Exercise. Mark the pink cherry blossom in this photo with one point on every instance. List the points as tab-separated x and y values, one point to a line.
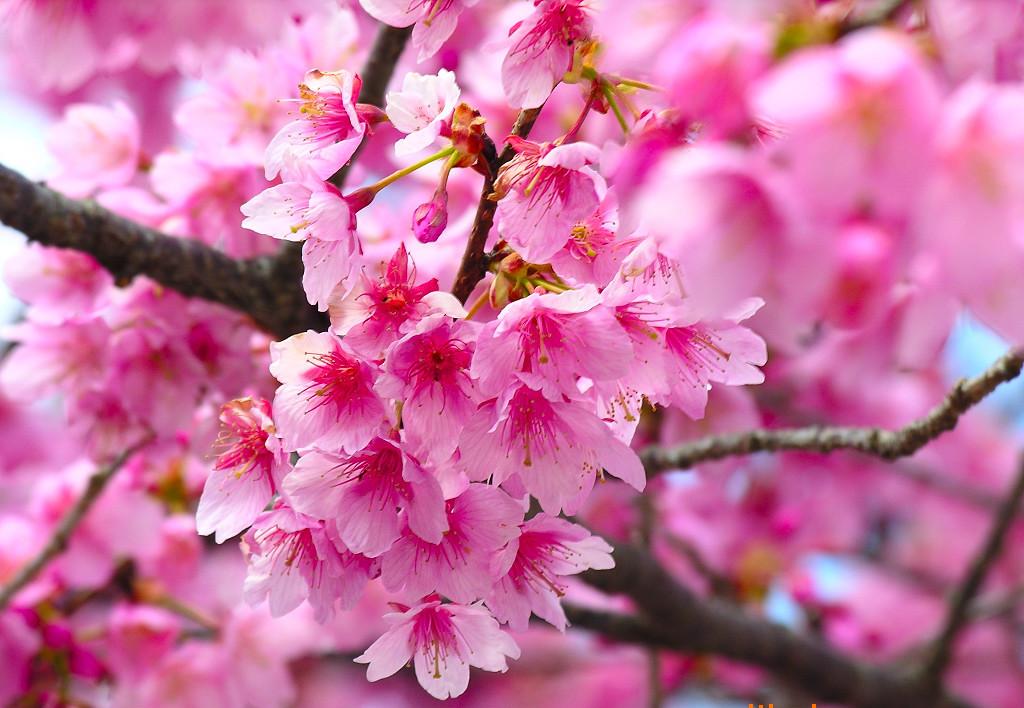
202	193
533	565
544	190
541	50
708	70
292	558
246	474
327	133
443	641
314	212
18	645
241	106
480	521
422	108
712	350
296	211
975	189
549	341
364	491
428	370
96	147
595	250
377	312
557	448
860	139
139	637
326	394
435	19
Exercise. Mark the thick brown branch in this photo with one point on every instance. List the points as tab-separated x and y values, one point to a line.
267	290
887	444
62	534
960	604
474	260
677	618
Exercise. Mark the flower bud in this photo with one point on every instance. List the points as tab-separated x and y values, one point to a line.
430	218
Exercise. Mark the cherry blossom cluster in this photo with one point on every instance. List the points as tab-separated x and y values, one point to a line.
423	432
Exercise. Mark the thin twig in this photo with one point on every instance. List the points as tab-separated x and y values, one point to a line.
958	614
474	261
62	534
887	444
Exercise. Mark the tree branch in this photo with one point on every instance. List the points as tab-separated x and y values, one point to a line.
62	534
887	444
474	261
959	607
680	620
265	289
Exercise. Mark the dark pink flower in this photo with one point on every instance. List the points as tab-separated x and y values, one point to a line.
480	521
247	470
379	310
326	394
363	493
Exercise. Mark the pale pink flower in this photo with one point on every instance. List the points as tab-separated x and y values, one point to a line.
292	558
315	212
977	188
428	370
247	470
57	282
435	19
326	395
557	448
859	142
202	193
708	70
532	567
480	521
701	351
541	50
328	132
443	641
712	210
544	190
979	40
96	147
422	109
378	311
241	106
296	211
363	493
138	638
54	358
549	341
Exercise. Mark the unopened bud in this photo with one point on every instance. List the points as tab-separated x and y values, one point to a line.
430	219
